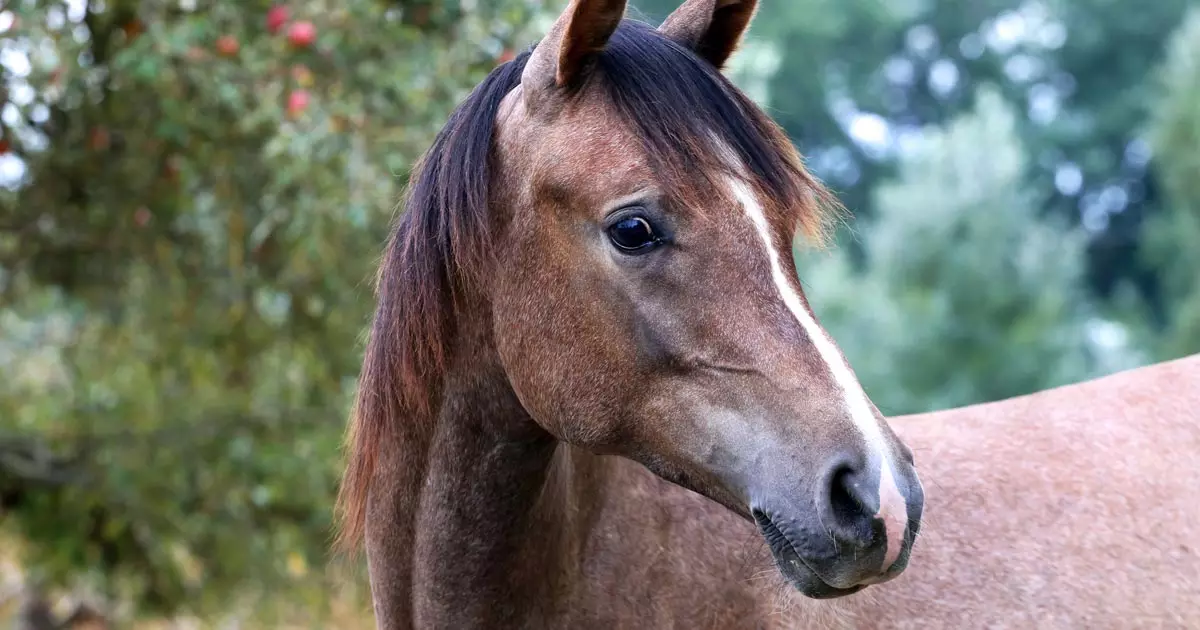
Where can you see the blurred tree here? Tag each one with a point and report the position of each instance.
(1172, 236)
(195, 196)
(967, 294)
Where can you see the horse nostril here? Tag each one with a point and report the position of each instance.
(846, 507)
(848, 510)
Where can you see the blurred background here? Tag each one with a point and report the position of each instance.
(194, 194)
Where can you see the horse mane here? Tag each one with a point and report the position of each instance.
(439, 241)
(676, 103)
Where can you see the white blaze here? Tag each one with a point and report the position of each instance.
(893, 510)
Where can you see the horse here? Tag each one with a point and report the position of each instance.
(586, 336)
(594, 396)
(1074, 507)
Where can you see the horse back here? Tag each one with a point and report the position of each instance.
(1077, 506)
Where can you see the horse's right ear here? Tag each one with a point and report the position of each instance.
(711, 28)
(567, 53)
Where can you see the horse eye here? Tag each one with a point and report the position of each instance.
(633, 234)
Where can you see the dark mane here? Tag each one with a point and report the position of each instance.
(676, 102)
(439, 241)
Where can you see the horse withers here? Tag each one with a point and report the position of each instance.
(591, 282)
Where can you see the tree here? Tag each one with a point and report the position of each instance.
(196, 196)
(1172, 235)
(966, 293)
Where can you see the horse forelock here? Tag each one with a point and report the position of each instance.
(687, 116)
(680, 108)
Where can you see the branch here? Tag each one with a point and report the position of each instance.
(32, 462)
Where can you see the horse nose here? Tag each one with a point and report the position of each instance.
(848, 501)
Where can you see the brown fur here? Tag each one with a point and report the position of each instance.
(1075, 507)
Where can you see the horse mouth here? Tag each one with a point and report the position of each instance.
(797, 572)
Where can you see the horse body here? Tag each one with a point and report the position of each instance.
(1069, 508)
(1073, 507)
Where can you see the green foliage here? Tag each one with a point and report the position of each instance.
(1172, 236)
(966, 293)
(186, 269)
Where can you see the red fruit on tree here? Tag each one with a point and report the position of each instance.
(133, 28)
(297, 102)
(170, 168)
(505, 56)
(276, 18)
(228, 45)
(99, 138)
(4, 146)
(302, 34)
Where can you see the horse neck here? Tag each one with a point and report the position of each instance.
(487, 466)
(484, 539)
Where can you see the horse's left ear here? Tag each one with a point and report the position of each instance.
(711, 28)
(566, 54)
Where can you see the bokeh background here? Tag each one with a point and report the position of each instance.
(194, 193)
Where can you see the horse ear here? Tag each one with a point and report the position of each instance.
(566, 54)
(711, 28)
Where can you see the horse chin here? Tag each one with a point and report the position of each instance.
(805, 580)
(794, 569)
